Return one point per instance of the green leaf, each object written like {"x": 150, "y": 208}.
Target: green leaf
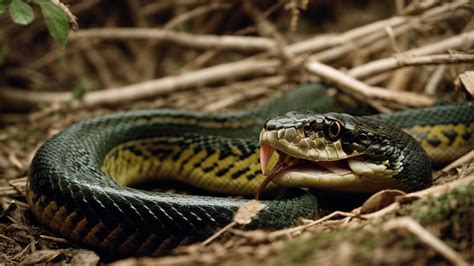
{"x": 21, "y": 12}
{"x": 2, "y": 9}
{"x": 79, "y": 92}
{"x": 56, "y": 21}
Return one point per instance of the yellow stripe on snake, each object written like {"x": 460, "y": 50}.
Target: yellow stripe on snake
{"x": 79, "y": 181}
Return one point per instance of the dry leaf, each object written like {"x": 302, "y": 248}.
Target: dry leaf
{"x": 466, "y": 81}
{"x": 247, "y": 211}
{"x": 380, "y": 200}
{"x": 42, "y": 256}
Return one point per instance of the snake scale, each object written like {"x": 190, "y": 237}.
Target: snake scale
{"x": 80, "y": 181}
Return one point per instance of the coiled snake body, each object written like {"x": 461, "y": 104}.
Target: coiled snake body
{"x": 79, "y": 180}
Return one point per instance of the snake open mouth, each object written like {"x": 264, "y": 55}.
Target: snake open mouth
{"x": 292, "y": 171}
{"x": 352, "y": 173}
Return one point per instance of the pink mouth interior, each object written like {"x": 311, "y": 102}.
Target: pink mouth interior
{"x": 340, "y": 167}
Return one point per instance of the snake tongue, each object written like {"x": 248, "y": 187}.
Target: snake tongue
{"x": 281, "y": 165}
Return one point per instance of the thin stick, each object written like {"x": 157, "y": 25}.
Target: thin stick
{"x": 289, "y": 231}
{"x": 55, "y": 239}
{"x": 466, "y": 158}
{"x": 173, "y": 83}
{"x": 199, "y": 11}
{"x": 432, "y": 191}
{"x": 406, "y": 59}
{"x": 352, "y": 85}
{"x": 434, "y": 80}
{"x": 465, "y": 41}
{"x": 426, "y": 237}
{"x": 211, "y": 74}
{"x": 218, "y": 233}
{"x": 191, "y": 40}
{"x": 444, "y": 188}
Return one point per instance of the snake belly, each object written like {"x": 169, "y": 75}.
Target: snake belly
{"x": 78, "y": 180}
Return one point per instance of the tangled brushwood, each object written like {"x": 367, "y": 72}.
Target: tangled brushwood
{"x": 216, "y": 56}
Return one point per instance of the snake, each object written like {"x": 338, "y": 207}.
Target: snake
{"x": 82, "y": 182}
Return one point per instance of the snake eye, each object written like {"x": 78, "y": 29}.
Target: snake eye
{"x": 307, "y": 130}
{"x": 334, "y": 129}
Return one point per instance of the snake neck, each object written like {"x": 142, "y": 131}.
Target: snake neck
{"x": 445, "y": 132}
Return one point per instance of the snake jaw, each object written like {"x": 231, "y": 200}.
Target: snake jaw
{"x": 346, "y": 175}
{"x": 312, "y": 158}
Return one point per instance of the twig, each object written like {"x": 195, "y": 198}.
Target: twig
{"x": 300, "y": 228}
{"x": 426, "y": 237}
{"x": 33, "y": 98}
{"x": 211, "y": 74}
{"x": 7, "y": 238}
{"x": 72, "y": 19}
{"x": 173, "y": 83}
{"x": 98, "y": 62}
{"x": 55, "y": 239}
{"x": 354, "y": 86}
{"x": 432, "y": 191}
{"x": 260, "y": 85}
{"x": 181, "y": 38}
{"x": 14, "y": 160}
{"x": 218, "y": 233}
{"x": 199, "y": 11}
{"x": 399, "y": 25}
{"x": 265, "y": 28}
{"x": 378, "y": 79}
{"x": 405, "y": 59}
{"x": 400, "y": 79}
{"x": 465, "y": 41}
{"x": 466, "y": 158}
{"x": 444, "y": 188}
{"x": 434, "y": 80}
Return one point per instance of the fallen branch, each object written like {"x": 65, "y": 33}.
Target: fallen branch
{"x": 409, "y": 60}
{"x": 379, "y": 37}
{"x": 197, "y": 41}
{"x": 234, "y": 70}
{"x": 462, "y": 41}
{"x": 165, "y": 85}
{"x": 353, "y": 86}
{"x": 426, "y": 237}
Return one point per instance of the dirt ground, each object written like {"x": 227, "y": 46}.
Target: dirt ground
{"x": 45, "y": 88}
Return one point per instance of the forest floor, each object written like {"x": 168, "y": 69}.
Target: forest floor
{"x": 432, "y": 226}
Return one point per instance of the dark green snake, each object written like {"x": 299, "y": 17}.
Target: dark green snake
{"x": 79, "y": 180}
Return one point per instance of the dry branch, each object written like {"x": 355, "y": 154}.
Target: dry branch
{"x": 435, "y": 79}
{"x": 353, "y": 86}
{"x": 247, "y": 67}
{"x": 375, "y": 35}
{"x": 462, "y": 41}
{"x": 426, "y": 237}
{"x": 191, "y": 79}
{"x": 409, "y": 60}
{"x": 199, "y": 11}
{"x": 187, "y": 39}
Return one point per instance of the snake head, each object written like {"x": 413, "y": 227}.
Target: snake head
{"x": 332, "y": 151}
